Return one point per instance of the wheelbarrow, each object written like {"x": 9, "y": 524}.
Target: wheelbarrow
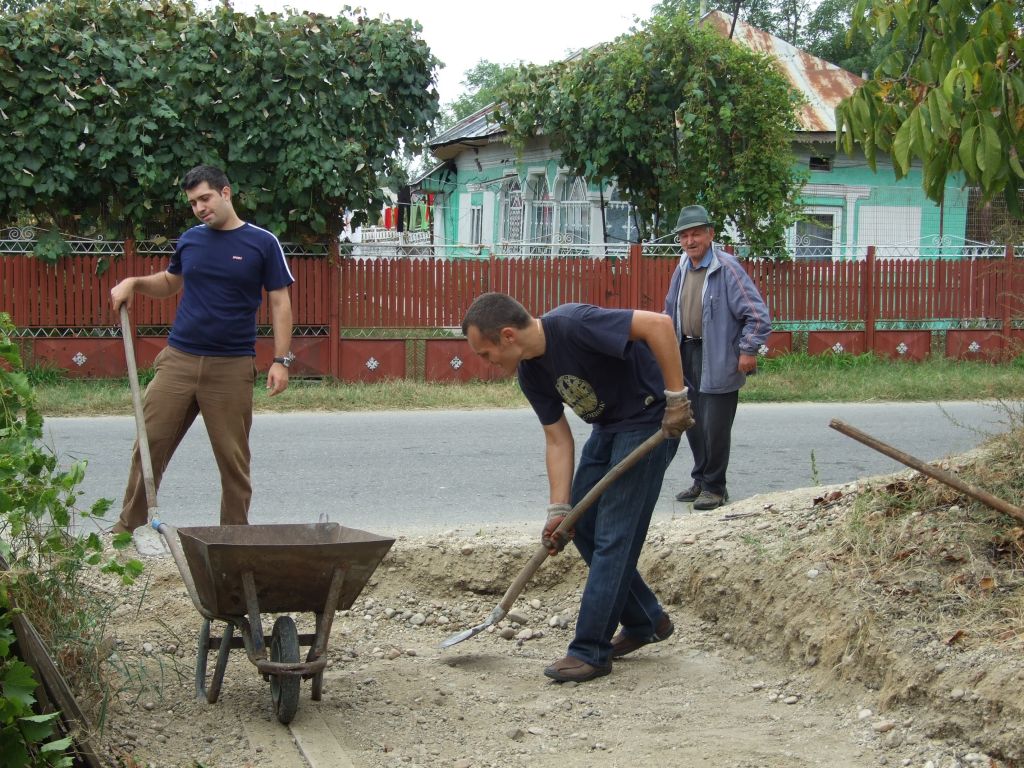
{"x": 234, "y": 572}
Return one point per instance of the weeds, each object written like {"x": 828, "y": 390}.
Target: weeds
{"x": 48, "y": 555}
{"x": 926, "y": 551}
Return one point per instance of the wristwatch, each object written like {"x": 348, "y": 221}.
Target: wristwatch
{"x": 286, "y": 361}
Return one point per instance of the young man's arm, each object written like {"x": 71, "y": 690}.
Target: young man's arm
{"x": 281, "y": 318}
{"x": 659, "y": 334}
{"x": 159, "y": 285}
{"x": 560, "y": 458}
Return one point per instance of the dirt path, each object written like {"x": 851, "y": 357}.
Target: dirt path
{"x": 710, "y": 695}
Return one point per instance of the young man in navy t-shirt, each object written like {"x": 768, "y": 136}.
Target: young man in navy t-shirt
{"x": 222, "y": 267}
{"x": 620, "y": 371}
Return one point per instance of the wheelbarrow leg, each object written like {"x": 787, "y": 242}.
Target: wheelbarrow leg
{"x": 318, "y": 679}
{"x": 324, "y": 622}
{"x": 213, "y": 692}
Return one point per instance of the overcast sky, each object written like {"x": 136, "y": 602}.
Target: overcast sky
{"x": 460, "y": 33}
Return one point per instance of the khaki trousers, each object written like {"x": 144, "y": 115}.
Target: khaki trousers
{"x": 185, "y": 386}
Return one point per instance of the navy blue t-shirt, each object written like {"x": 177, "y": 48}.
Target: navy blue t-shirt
{"x": 591, "y": 365}
{"x": 225, "y": 273}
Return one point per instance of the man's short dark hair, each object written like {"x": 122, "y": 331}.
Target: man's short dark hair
{"x": 211, "y": 174}
{"x": 490, "y": 312}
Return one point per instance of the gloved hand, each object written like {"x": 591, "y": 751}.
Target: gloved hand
{"x": 678, "y": 417}
{"x": 556, "y": 514}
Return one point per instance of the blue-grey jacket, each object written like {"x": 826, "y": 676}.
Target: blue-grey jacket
{"x": 734, "y": 319}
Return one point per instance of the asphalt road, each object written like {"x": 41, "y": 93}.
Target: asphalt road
{"x": 407, "y": 472}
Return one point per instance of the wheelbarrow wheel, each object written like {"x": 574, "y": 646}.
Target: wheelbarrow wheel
{"x": 284, "y": 689}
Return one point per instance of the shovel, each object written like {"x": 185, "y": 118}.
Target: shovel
{"x": 503, "y": 607}
{"x": 147, "y": 540}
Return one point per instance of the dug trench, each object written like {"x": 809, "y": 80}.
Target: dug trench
{"x": 791, "y": 649}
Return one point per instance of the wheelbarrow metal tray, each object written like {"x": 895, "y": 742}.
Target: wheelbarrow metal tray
{"x": 292, "y": 565}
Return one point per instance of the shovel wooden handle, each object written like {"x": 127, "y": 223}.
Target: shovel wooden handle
{"x": 582, "y": 506}
{"x": 140, "y": 419}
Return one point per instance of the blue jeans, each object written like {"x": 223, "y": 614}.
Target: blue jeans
{"x": 610, "y": 536}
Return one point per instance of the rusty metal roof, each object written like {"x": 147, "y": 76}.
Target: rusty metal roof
{"x": 822, "y": 84}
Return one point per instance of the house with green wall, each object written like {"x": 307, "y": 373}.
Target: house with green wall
{"x": 490, "y": 199}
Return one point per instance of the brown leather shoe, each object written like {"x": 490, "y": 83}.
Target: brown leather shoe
{"x": 623, "y": 643}
{"x": 572, "y": 670}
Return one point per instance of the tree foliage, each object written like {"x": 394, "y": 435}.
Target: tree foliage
{"x": 106, "y": 103}
{"x": 675, "y": 115}
{"x": 483, "y": 83}
{"x": 950, "y": 94}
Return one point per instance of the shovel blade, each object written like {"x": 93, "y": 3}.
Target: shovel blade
{"x": 465, "y": 634}
{"x": 148, "y": 542}
{"x": 496, "y": 615}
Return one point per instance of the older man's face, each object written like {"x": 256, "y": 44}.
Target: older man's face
{"x": 696, "y": 241}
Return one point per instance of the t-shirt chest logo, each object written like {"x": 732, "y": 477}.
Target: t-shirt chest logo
{"x": 580, "y": 396}
{"x": 237, "y": 258}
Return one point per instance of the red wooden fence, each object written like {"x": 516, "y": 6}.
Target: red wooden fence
{"x": 332, "y": 295}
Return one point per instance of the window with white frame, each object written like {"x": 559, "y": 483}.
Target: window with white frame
{"x": 817, "y": 234}
{"x": 573, "y": 211}
{"x": 511, "y": 197}
{"x": 619, "y": 221}
{"x": 541, "y": 211}
{"x": 476, "y": 225}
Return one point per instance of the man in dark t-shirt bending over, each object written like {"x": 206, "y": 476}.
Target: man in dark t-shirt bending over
{"x": 620, "y": 371}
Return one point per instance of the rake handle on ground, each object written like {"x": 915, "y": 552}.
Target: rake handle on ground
{"x": 140, "y": 419}
{"x": 934, "y": 472}
{"x": 575, "y": 513}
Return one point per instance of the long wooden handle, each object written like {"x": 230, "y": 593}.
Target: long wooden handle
{"x": 575, "y": 513}
{"x": 926, "y": 469}
{"x": 140, "y": 419}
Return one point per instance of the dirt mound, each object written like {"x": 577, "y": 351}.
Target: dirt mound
{"x": 794, "y": 646}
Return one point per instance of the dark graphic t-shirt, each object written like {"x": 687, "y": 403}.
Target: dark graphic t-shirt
{"x": 591, "y": 365}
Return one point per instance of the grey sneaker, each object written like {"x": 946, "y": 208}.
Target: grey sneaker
{"x": 690, "y": 494}
{"x": 709, "y": 500}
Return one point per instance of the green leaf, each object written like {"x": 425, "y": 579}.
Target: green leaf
{"x": 967, "y": 151}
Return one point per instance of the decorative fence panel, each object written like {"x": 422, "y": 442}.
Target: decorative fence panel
{"x": 845, "y": 305}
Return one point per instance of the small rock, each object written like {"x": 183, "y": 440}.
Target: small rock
{"x": 813, "y": 573}
{"x": 517, "y": 617}
{"x": 507, "y": 633}
{"x": 791, "y": 699}
{"x": 463, "y": 762}
{"x": 757, "y": 686}
{"x": 392, "y": 654}
{"x": 864, "y": 714}
{"x": 410, "y": 651}
{"x": 957, "y": 693}
{"x": 467, "y": 549}
{"x": 417, "y": 619}
{"x": 516, "y": 734}
{"x": 147, "y": 648}
{"x": 524, "y": 634}
{"x": 535, "y": 604}
{"x": 883, "y": 726}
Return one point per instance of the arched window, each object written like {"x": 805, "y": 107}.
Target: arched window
{"x": 541, "y": 211}
{"x": 573, "y": 211}
{"x": 511, "y": 211}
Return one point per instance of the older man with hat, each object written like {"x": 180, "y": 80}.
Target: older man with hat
{"x": 721, "y": 322}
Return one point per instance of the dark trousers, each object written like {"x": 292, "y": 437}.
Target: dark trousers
{"x": 711, "y": 437}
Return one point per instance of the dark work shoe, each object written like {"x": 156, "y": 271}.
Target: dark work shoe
{"x": 689, "y": 494}
{"x": 572, "y": 670}
{"x": 709, "y": 500}
{"x": 623, "y": 643}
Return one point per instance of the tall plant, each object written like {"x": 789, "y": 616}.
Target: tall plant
{"x": 48, "y": 555}
{"x": 106, "y": 103}
{"x": 674, "y": 114}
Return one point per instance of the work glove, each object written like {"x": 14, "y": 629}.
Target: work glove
{"x": 556, "y": 514}
{"x": 678, "y": 417}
